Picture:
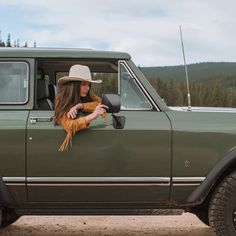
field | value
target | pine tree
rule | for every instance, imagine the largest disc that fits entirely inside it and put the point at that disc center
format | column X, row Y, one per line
column 2, row 44
column 8, row 43
column 18, row 43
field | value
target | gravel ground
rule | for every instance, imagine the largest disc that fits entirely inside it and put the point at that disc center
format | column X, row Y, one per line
column 186, row 224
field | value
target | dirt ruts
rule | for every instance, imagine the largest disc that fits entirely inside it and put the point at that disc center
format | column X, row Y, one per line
column 187, row 224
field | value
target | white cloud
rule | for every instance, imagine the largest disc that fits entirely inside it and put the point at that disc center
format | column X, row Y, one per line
column 148, row 30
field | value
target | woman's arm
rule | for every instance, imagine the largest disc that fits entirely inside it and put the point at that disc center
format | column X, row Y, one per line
column 90, row 106
column 87, row 107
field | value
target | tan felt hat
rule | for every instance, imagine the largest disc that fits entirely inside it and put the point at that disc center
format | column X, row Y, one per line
column 78, row 73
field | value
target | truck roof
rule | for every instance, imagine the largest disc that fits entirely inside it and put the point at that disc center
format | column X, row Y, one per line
column 7, row 52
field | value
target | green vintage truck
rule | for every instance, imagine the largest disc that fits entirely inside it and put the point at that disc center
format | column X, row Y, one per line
column 161, row 158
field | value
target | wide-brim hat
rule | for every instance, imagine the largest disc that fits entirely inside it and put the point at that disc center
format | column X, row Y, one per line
column 78, row 73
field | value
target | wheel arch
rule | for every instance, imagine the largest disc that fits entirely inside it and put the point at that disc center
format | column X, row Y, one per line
column 203, row 192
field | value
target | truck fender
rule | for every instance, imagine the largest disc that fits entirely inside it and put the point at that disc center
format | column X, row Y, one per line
column 201, row 192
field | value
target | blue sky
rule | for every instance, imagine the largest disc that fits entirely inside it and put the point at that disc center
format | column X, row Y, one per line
column 148, row 30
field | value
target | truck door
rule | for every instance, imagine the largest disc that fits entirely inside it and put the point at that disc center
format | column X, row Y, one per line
column 14, row 105
column 105, row 166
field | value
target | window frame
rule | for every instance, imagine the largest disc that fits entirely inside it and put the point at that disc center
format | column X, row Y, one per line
column 27, row 83
column 139, row 86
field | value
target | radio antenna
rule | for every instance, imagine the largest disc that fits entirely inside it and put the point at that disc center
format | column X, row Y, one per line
column 186, row 71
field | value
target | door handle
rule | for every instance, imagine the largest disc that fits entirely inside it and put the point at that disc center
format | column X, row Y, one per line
column 34, row 120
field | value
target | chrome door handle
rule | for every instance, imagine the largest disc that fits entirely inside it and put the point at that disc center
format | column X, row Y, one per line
column 34, row 120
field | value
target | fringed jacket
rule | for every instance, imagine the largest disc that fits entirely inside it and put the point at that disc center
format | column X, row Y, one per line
column 71, row 126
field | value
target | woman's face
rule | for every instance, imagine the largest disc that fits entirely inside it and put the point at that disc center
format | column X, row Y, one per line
column 84, row 88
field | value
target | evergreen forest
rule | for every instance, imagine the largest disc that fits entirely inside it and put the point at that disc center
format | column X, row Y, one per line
column 211, row 84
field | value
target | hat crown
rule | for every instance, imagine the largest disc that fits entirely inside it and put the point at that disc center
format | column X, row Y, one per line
column 79, row 71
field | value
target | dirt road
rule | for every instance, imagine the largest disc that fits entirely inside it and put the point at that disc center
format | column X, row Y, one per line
column 184, row 225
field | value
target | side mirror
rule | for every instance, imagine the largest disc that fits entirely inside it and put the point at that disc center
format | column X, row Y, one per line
column 113, row 102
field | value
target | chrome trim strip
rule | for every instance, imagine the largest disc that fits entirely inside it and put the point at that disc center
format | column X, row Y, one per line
column 95, row 185
column 188, row 179
column 119, row 80
column 186, row 184
column 103, row 179
column 14, row 179
column 205, row 109
column 98, row 179
column 16, row 184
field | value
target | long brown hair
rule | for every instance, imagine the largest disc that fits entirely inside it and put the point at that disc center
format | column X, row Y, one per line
column 68, row 96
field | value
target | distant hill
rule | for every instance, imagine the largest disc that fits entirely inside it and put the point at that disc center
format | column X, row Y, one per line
column 198, row 71
column 211, row 84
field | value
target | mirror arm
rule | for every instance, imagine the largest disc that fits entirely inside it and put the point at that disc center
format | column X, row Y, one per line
column 118, row 121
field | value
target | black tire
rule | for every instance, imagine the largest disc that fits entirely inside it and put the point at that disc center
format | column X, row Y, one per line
column 222, row 208
column 8, row 217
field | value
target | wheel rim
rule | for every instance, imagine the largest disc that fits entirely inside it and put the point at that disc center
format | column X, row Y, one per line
column 234, row 218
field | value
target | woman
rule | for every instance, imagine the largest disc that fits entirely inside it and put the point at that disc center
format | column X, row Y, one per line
column 74, row 93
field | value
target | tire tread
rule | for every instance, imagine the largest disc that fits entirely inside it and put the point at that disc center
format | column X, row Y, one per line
column 217, row 206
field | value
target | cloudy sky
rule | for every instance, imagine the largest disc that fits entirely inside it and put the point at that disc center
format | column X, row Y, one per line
column 147, row 29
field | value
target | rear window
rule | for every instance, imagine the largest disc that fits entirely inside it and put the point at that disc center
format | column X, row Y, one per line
column 14, row 78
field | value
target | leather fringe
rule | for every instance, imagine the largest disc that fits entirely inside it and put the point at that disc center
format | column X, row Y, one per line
column 67, row 142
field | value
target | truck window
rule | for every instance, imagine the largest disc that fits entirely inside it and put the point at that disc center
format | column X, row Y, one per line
column 13, row 82
column 50, row 70
column 132, row 98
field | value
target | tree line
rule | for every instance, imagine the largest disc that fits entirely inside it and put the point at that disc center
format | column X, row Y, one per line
column 215, row 91
column 16, row 42
column 211, row 83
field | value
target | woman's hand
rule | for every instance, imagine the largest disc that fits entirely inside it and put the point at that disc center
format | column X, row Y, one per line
column 100, row 110
column 73, row 111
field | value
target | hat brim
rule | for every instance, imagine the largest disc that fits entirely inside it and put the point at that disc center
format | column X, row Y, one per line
column 65, row 79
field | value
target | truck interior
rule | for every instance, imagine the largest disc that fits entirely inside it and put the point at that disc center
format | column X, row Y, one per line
column 50, row 70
